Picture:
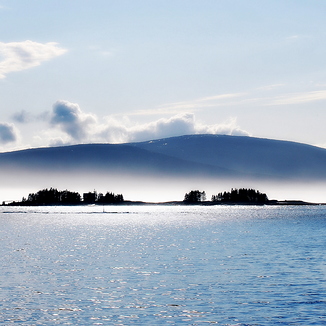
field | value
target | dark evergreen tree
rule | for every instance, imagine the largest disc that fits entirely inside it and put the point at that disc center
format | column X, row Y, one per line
column 68, row 197
column 241, row 196
column 194, row 196
column 90, row 197
column 51, row 197
column 54, row 197
column 110, row 198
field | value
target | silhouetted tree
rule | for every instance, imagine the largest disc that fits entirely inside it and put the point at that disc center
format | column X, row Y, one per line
column 51, row 197
column 194, row 196
column 110, row 198
column 54, row 197
column 68, row 197
column 241, row 196
column 90, row 197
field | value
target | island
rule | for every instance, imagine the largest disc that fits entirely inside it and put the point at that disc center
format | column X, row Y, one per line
column 53, row 196
column 242, row 196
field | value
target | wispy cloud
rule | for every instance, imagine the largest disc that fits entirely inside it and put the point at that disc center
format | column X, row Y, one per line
column 293, row 37
column 204, row 102
column 220, row 97
column 17, row 56
column 269, row 87
column 22, row 116
column 261, row 96
column 102, row 51
column 193, row 105
column 299, row 37
column 297, row 98
column 25, row 117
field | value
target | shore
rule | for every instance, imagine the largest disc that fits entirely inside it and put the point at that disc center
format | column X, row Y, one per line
column 180, row 203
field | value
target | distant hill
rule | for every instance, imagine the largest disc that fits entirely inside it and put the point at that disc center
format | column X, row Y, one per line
column 105, row 158
column 194, row 155
column 246, row 156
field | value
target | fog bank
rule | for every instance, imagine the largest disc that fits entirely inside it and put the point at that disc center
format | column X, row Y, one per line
column 149, row 188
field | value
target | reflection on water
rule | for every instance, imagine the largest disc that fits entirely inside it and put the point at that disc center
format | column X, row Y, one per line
column 163, row 265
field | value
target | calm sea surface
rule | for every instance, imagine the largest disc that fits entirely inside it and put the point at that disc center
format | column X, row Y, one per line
column 156, row 265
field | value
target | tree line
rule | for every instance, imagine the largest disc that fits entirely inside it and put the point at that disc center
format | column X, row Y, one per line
column 241, row 195
column 53, row 196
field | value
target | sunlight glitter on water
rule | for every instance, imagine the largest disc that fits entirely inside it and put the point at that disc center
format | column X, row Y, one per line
column 163, row 265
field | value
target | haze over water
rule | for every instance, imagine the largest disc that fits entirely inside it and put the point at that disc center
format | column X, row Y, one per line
column 163, row 265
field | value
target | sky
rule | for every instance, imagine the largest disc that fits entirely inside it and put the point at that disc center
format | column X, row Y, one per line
column 133, row 70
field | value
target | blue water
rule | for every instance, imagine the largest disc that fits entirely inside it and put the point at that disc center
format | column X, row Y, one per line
column 163, row 265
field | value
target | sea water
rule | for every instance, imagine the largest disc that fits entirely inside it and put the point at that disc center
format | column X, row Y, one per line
column 163, row 265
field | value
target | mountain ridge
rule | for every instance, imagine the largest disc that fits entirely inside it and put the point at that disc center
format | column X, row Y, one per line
column 102, row 157
column 247, row 155
column 201, row 155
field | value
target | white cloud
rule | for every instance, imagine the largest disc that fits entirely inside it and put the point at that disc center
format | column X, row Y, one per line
column 182, row 124
column 70, row 119
column 8, row 134
column 17, row 56
column 178, row 125
column 229, row 127
column 82, row 127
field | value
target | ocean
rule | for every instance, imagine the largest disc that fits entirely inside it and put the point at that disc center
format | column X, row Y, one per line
column 163, row 265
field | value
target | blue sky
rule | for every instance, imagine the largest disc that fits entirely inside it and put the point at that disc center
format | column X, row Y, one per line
column 116, row 71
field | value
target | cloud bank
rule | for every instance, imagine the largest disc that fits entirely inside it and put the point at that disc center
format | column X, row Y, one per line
column 8, row 133
column 17, row 56
column 177, row 125
column 78, row 126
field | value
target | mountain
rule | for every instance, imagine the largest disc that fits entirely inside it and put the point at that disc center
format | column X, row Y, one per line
column 193, row 155
column 246, row 156
column 103, row 158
